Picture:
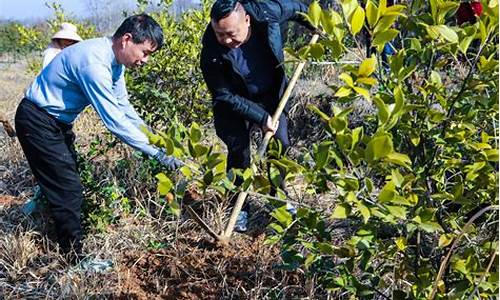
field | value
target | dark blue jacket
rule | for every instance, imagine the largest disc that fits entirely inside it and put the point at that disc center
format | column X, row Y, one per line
column 224, row 82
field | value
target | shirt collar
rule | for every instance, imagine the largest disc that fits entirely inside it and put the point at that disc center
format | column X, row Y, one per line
column 114, row 62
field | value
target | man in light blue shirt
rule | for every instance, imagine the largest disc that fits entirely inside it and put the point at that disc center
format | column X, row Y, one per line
column 88, row 73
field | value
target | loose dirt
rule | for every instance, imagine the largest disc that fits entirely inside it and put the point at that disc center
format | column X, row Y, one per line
column 194, row 270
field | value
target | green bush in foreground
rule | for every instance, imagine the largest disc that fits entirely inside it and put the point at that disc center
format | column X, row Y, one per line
column 416, row 183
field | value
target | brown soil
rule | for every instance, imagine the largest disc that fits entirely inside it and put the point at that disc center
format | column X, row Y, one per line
column 194, row 269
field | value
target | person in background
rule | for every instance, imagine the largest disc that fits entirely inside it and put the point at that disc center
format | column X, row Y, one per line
column 88, row 73
column 65, row 37
column 242, row 65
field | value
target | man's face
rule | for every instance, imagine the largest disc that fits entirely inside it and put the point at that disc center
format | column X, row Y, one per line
column 233, row 30
column 63, row 43
column 131, row 54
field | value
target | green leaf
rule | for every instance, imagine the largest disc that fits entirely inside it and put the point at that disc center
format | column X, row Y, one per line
column 401, row 243
column 393, row 9
column 461, row 266
column 282, row 215
column 367, row 67
column 343, row 92
column 383, row 37
column 348, row 7
column 491, row 154
column 371, row 13
column 186, row 171
column 164, row 184
column 445, row 240
column 200, row 150
column 169, row 146
column 347, row 79
column 357, row 134
column 378, row 147
column 318, row 112
column 435, row 78
column 382, row 5
column 314, row 13
column 430, row 227
column 309, row 260
column 397, row 61
column 465, row 43
column 195, row 132
column 278, row 228
column 399, row 100
column 363, row 92
column 447, row 33
column 366, row 80
column 321, row 155
column 399, row 159
column 383, row 110
column 397, row 211
column 325, row 248
column 208, row 177
column 317, row 50
column 339, row 124
column 397, row 178
column 365, row 211
column 415, row 138
column 357, row 20
column 341, row 211
column 434, row 9
column 444, row 8
column 387, row 193
column 384, row 23
column 368, row 184
column 327, row 21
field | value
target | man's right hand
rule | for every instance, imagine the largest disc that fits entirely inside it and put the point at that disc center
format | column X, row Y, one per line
column 269, row 126
column 169, row 161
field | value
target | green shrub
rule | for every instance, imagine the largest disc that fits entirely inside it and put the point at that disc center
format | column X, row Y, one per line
column 410, row 181
column 171, row 84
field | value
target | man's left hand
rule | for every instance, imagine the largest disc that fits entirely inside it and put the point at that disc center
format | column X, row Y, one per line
column 269, row 126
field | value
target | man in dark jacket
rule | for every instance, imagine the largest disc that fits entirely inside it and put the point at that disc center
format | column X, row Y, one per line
column 241, row 61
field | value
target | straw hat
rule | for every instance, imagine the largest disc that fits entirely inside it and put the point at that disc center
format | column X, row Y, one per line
column 67, row 32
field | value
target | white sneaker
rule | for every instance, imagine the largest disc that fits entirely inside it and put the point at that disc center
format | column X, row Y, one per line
column 241, row 222
column 96, row 265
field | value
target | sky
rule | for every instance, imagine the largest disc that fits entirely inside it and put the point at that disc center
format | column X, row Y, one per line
column 36, row 9
column 30, row 10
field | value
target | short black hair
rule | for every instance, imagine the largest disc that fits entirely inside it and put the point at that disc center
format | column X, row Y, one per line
column 142, row 27
column 222, row 8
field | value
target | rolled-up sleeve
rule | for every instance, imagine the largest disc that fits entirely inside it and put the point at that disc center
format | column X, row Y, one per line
column 117, row 114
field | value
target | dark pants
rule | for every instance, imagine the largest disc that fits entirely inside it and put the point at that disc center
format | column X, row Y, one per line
column 235, row 133
column 48, row 147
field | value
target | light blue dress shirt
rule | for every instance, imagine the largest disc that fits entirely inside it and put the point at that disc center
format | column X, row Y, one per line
column 87, row 73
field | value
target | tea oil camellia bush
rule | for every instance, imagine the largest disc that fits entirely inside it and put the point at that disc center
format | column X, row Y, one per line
column 171, row 84
column 416, row 183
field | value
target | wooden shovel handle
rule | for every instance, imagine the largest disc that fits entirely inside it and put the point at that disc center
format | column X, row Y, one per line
column 267, row 137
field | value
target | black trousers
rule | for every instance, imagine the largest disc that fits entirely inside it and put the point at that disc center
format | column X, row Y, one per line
column 48, row 147
column 234, row 132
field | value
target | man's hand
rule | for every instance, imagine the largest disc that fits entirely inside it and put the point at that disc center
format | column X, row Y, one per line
column 169, row 161
column 268, row 126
